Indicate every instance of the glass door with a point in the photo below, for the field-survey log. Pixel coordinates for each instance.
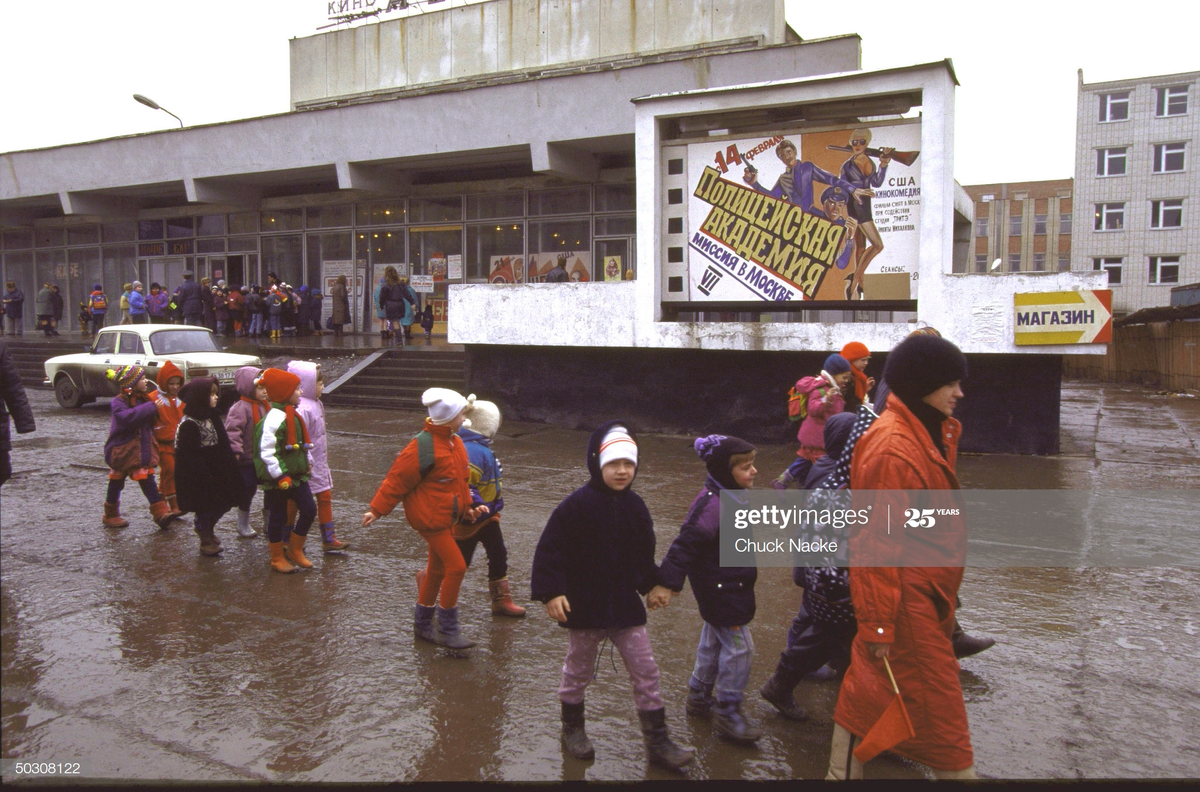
(436, 251)
(613, 259)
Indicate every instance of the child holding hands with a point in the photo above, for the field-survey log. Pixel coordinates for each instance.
(594, 557)
(282, 443)
(209, 480)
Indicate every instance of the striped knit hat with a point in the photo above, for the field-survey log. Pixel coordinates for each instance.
(617, 444)
(125, 376)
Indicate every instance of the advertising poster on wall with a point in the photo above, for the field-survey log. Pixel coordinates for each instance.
(454, 271)
(422, 284)
(506, 269)
(612, 268)
(830, 215)
(330, 270)
(578, 265)
(436, 267)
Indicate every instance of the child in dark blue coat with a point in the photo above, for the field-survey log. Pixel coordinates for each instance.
(725, 594)
(595, 556)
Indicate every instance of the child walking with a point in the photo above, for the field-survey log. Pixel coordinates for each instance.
(208, 474)
(594, 558)
(170, 413)
(824, 397)
(312, 381)
(240, 422)
(281, 443)
(477, 434)
(430, 477)
(427, 320)
(725, 594)
(131, 450)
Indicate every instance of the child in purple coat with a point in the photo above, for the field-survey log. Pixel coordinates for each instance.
(244, 414)
(312, 383)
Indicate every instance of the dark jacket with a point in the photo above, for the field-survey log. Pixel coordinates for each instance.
(207, 478)
(14, 303)
(56, 304)
(190, 300)
(558, 275)
(12, 400)
(598, 550)
(725, 594)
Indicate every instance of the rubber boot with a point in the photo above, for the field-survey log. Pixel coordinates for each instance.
(731, 724)
(502, 601)
(287, 543)
(967, 645)
(112, 516)
(700, 698)
(659, 748)
(329, 540)
(447, 633)
(243, 526)
(296, 551)
(210, 545)
(161, 513)
(778, 693)
(278, 562)
(842, 764)
(423, 622)
(574, 739)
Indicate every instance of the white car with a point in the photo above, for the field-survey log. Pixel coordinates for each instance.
(80, 378)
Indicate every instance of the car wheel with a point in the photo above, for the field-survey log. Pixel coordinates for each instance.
(66, 393)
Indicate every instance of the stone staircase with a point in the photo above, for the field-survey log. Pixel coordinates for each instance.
(31, 355)
(396, 378)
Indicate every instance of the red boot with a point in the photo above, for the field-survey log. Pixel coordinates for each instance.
(161, 513)
(112, 516)
(502, 601)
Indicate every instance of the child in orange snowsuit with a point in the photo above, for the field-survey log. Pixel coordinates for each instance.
(170, 413)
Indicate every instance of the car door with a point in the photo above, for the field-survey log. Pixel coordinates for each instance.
(128, 351)
(104, 352)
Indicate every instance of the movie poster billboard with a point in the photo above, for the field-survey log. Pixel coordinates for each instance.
(534, 267)
(828, 215)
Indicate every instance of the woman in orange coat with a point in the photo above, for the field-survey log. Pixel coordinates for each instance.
(905, 611)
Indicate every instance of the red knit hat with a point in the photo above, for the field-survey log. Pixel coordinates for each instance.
(279, 384)
(855, 350)
(165, 372)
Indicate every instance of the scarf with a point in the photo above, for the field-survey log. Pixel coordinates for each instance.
(291, 421)
(256, 406)
(860, 383)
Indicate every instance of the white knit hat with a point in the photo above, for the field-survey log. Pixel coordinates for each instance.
(443, 404)
(485, 418)
(617, 444)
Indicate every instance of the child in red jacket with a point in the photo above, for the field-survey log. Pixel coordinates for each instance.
(431, 477)
(170, 413)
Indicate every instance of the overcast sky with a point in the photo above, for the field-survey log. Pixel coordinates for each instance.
(70, 67)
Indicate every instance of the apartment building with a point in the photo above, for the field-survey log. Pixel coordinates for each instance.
(1021, 226)
(1136, 186)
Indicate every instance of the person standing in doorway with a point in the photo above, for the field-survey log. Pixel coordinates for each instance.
(14, 308)
(191, 301)
(44, 310)
(341, 305)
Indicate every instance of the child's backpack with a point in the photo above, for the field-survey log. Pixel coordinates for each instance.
(99, 302)
(797, 403)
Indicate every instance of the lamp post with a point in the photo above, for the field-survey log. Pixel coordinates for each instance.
(153, 105)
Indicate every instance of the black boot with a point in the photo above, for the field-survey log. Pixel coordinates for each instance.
(574, 738)
(700, 699)
(967, 645)
(659, 748)
(778, 693)
(731, 724)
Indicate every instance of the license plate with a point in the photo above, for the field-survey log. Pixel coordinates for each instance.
(225, 376)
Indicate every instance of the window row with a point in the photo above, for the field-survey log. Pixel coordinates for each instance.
(1168, 158)
(1168, 101)
(1038, 264)
(1016, 224)
(1167, 213)
(599, 198)
(1160, 269)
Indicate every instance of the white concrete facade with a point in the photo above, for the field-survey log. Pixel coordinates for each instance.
(1136, 136)
(975, 311)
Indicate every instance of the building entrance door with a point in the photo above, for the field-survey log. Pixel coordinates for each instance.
(437, 251)
(613, 259)
(166, 272)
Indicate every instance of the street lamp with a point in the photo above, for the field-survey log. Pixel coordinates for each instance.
(153, 105)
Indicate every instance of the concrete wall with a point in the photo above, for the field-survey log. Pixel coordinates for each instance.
(1159, 355)
(514, 35)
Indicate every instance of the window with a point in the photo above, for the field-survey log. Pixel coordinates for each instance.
(1014, 225)
(981, 226)
(1168, 157)
(1064, 263)
(180, 227)
(382, 213)
(106, 344)
(1110, 217)
(1110, 161)
(496, 205)
(1064, 223)
(1110, 265)
(131, 344)
(1039, 262)
(1170, 101)
(283, 220)
(1039, 224)
(981, 263)
(987, 197)
(1164, 269)
(1166, 214)
(1014, 262)
(1114, 106)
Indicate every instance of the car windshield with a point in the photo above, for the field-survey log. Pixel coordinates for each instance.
(177, 342)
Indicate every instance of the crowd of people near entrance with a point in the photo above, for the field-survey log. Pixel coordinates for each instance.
(270, 312)
(889, 633)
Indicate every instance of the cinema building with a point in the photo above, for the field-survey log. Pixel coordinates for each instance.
(730, 203)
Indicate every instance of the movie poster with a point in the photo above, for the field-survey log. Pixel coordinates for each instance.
(506, 269)
(612, 268)
(831, 215)
(578, 265)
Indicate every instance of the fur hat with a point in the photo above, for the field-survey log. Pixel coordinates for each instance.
(485, 418)
(855, 350)
(716, 451)
(836, 364)
(280, 384)
(125, 376)
(617, 444)
(443, 404)
(920, 364)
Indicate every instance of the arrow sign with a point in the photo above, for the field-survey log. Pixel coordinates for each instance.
(1074, 317)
